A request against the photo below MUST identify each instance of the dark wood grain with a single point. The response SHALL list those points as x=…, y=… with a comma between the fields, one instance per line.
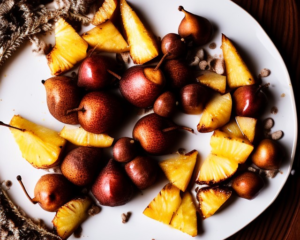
x=280, y=19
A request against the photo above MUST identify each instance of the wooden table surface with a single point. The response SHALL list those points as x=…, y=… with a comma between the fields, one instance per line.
x=281, y=21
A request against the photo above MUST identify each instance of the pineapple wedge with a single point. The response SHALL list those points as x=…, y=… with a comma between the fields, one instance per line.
x=40, y=146
x=105, y=12
x=238, y=73
x=247, y=126
x=70, y=216
x=164, y=205
x=106, y=37
x=216, y=114
x=224, y=145
x=232, y=129
x=179, y=170
x=211, y=199
x=80, y=137
x=213, y=80
x=143, y=46
x=69, y=48
x=185, y=218
x=216, y=169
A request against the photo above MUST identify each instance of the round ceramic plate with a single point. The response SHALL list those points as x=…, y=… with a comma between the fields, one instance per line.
x=21, y=92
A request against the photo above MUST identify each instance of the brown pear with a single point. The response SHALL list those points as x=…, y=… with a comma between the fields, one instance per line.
x=156, y=134
x=197, y=28
x=82, y=165
x=125, y=149
x=173, y=45
x=62, y=94
x=51, y=191
x=267, y=155
x=165, y=104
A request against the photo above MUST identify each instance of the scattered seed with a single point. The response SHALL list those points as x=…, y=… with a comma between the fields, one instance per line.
x=203, y=65
x=277, y=135
x=200, y=54
x=268, y=123
x=282, y=95
x=94, y=210
x=218, y=65
x=78, y=232
x=274, y=110
x=265, y=72
x=195, y=62
x=125, y=217
x=212, y=45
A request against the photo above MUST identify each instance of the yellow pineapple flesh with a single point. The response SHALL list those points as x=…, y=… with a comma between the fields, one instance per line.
x=224, y=145
x=40, y=146
x=69, y=48
x=185, y=218
x=211, y=199
x=107, y=38
x=216, y=114
x=232, y=129
x=213, y=80
x=216, y=169
x=143, y=46
x=105, y=12
x=70, y=216
x=179, y=170
x=164, y=205
x=247, y=126
x=238, y=73
x=80, y=137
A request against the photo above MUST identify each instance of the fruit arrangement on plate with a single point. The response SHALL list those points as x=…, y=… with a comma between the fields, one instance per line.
x=164, y=80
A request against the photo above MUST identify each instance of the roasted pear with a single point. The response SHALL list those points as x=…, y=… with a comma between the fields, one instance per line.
x=173, y=45
x=199, y=29
x=62, y=95
x=82, y=165
x=51, y=191
x=156, y=134
x=165, y=104
x=125, y=149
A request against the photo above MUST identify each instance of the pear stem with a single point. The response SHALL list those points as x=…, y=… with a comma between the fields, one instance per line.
x=114, y=74
x=178, y=127
x=6, y=125
x=43, y=81
x=24, y=189
x=261, y=87
x=76, y=110
x=161, y=61
x=180, y=8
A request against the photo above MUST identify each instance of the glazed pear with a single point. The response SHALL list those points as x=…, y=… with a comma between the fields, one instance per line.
x=156, y=134
x=112, y=187
x=199, y=29
x=62, y=95
x=125, y=149
x=173, y=45
x=141, y=85
x=51, y=191
x=99, y=112
x=82, y=164
x=165, y=105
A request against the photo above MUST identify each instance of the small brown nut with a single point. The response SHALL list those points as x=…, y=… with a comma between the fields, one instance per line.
x=125, y=217
x=194, y=62
x=253, y=169
x=265, y=72
x=277, y=135
x=94, y=210
x=203, y=65
x=218, y=65
x=200, y=54
x=268, y=123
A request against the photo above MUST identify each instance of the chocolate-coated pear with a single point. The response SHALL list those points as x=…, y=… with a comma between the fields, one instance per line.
x=62, y=94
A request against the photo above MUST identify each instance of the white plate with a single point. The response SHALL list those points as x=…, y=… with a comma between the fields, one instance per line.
x=21, y=92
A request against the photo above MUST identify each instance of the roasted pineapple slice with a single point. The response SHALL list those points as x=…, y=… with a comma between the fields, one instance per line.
x=238, y=73
x=179, y=170
x=105, y=12
x=107, y=38
x=70, y=216
x=216, y=113
x=143, y=46
x=164, y=205
x=69, y=48
x=211, y=199
x=232, y=129
x=216, y=169
x=80, y=137
x=230, y=147
x=185, y=218
x=247, y=126
x=213, y=80
x=40, y=146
